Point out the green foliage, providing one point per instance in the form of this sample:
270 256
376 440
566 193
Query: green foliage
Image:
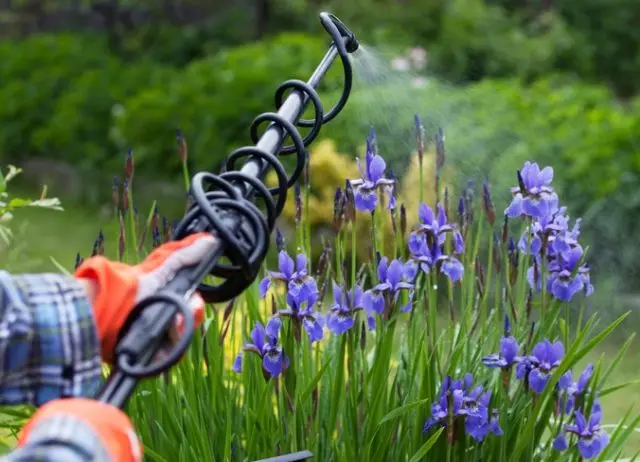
592 140
611 33
605 33
477 41
66 96
85 106
8 205
178 45
35 72
214 100
81 118
467 40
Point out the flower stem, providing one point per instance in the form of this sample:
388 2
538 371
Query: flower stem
373 235
421 186
307 216
338 254
353 252
543 278
132 223
185 175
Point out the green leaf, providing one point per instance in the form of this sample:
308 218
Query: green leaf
19 202
228 433
614 388
148 452
426 446
616 361
19 412
60 267
338 384
4 448
562 325
3 183
599 338
307 392
402 410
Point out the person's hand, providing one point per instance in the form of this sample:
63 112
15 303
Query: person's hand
118 286
112 426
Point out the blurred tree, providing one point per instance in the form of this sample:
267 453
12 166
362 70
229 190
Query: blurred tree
467 39
606 34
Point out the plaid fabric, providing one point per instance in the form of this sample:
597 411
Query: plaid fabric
49 345
60 439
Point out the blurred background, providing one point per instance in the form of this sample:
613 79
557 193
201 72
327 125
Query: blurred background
553 81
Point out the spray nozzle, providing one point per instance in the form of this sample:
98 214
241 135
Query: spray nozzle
330 21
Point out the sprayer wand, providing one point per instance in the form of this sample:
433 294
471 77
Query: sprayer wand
223 205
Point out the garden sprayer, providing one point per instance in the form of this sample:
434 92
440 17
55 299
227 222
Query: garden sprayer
224 205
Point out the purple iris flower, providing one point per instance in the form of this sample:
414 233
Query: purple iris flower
530 242
289 273
560 443
371 180
492 426
449 265
564 239
301 299
459 399
575 390
564 278
545 358
436 226
440 410
592 438
523 367
425 244
420 253
534 196
341 316
424 258
392 280
507 355
552 229
562 282
477 423
264 343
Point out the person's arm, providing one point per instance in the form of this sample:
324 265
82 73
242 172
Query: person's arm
55 329
49 349
77 430
49 345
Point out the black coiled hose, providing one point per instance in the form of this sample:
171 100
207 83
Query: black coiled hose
246 247
223 204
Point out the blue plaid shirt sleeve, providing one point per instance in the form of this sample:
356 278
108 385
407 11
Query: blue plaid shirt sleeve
49 345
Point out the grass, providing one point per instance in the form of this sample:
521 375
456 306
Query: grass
45 235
